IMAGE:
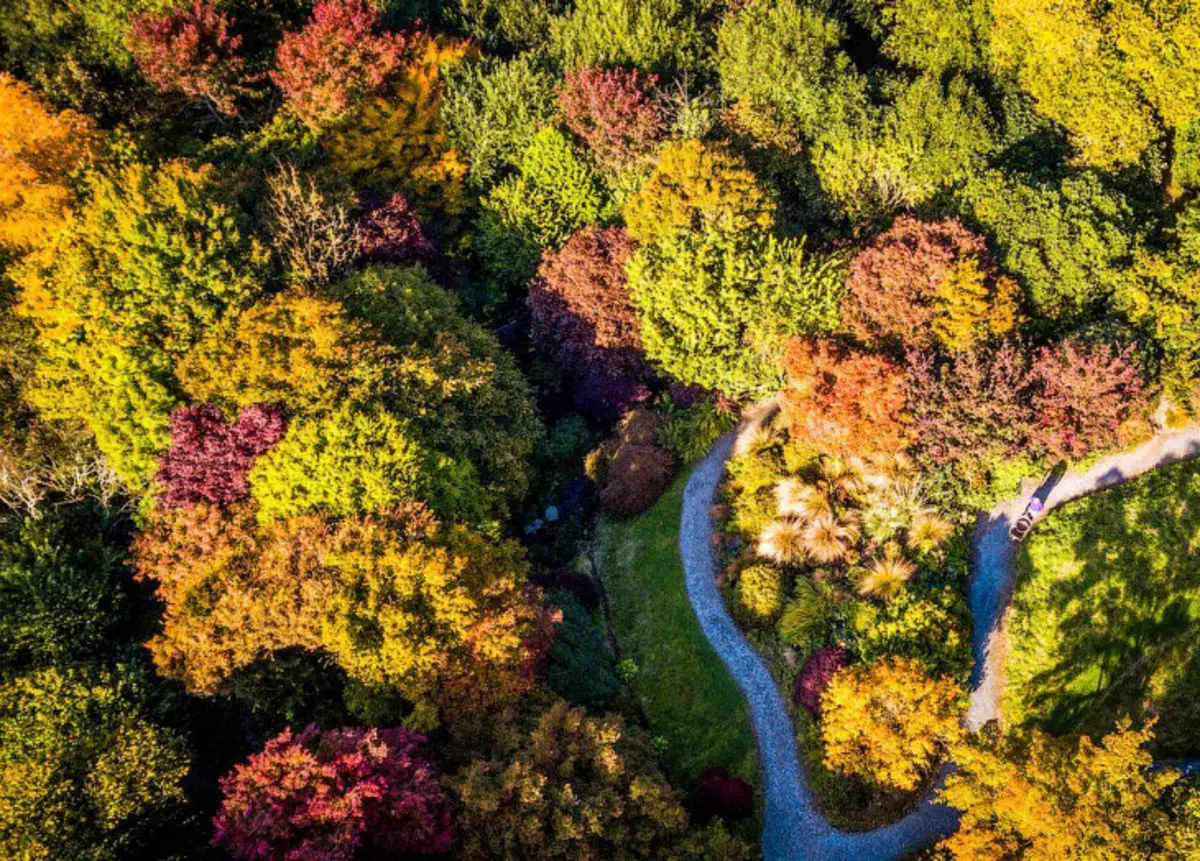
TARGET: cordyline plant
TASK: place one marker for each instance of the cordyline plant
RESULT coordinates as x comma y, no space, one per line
193,51
209,458
325,796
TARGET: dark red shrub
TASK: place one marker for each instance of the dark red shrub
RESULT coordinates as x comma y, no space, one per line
636,476
892,283
340,57
720,794
325,796
209,458
584,320
1084,393
389,233
581,587
193,51
815,675
615,112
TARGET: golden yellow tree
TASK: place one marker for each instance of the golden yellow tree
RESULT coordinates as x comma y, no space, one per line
971,305
889,723
39,151
1043,798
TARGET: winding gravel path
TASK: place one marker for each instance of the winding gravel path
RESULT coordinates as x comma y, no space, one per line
793,827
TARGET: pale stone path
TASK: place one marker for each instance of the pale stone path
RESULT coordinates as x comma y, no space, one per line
793,827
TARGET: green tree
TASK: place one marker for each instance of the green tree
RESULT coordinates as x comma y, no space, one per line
580,666
930,35
716,307
657,35
88,773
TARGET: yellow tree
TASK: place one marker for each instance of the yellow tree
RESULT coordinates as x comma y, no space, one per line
1043,798
39,151
889,723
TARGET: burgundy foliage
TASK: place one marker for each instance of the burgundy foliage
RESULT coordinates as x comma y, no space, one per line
1084,393
340,57
615,112
974,408
892,283
325,796
720,794
209,459
389,233
584,320
193,51
816,674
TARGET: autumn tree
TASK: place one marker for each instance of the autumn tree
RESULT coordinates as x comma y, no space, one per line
924,281
575,787
840,399
889,723
210,459
193,51
339,59
614,112
389,232
1043,797
89,771
39,152
330,795
312,231
696,186
583,318
158,256
1084,394
716,307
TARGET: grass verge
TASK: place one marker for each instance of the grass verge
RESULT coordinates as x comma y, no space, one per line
688,696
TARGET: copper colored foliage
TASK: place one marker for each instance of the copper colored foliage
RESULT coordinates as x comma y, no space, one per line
840,399
615,112
631,470
815,675
389,232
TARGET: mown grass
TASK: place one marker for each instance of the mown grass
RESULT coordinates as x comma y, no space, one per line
688,696
1107,611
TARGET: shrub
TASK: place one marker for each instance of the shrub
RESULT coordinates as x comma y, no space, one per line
580,667
614,112
816,674
192,51
696,186
1084,394
330,795
389,233
336,61
760,592
889,723
583,317
311,231
210,459
630,469
931,626
691,432
839,399
722,795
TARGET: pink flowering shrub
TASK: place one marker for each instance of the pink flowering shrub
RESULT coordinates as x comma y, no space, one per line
340,57
191,50
614,112
325,796
209,458
389,232
815,675
1083,394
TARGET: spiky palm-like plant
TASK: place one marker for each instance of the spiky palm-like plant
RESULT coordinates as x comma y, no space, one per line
928,531
810,614
828,540
783,542
803,501
887,574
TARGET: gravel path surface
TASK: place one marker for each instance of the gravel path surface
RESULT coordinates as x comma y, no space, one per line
793,827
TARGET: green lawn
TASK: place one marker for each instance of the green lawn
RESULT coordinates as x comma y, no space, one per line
687,694
1106,612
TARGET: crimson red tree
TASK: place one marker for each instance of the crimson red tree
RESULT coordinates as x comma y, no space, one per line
583,319
615,112
390,233
191,50
338,58
1084,393
209,458
815,675
892,284
324,796
721,794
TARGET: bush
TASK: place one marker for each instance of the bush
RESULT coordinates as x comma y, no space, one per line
631,471
722,795
311,231
691,432
580,668
389,233
330,795
931,626
615,113
760,593
816,674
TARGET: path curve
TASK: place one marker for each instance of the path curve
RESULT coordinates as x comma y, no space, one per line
793,827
